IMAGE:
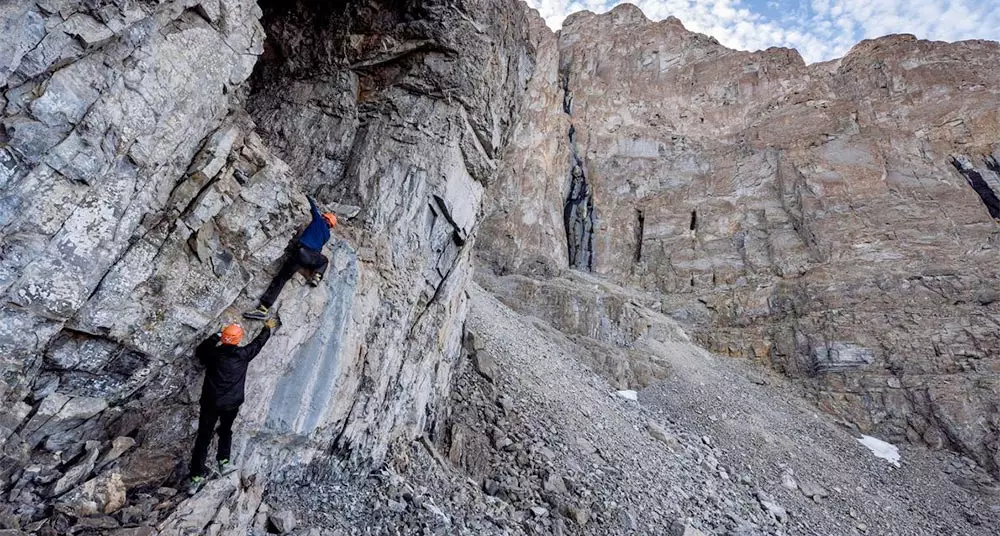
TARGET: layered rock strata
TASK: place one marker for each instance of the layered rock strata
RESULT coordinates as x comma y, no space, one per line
144,206
836,221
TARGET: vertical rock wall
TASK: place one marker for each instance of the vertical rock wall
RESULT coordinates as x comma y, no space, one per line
835,220
521,232
143,206
402,111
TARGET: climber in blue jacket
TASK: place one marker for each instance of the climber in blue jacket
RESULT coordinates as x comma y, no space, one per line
305,252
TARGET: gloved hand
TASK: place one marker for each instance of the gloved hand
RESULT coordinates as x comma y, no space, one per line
272,323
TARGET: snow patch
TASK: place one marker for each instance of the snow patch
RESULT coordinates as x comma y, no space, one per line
881,449
629,395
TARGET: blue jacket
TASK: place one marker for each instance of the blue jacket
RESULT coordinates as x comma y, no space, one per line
317,233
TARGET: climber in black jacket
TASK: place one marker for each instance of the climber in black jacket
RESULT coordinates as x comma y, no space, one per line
222,393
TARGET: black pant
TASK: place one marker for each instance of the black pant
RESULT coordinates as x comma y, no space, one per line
206,423
300,258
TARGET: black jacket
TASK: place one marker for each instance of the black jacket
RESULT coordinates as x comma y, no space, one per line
226,369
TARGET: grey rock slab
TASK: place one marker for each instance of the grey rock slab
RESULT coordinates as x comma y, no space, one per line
210,160
342,210
99,523
23,28
70,93
485,365
659,433
91,31
775,510
79,471
554,484
812,489
119,445
104,494
283,521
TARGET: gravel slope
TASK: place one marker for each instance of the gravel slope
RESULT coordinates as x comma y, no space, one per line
535,443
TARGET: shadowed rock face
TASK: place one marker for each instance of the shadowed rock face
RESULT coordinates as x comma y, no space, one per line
835,221
153,161
400,110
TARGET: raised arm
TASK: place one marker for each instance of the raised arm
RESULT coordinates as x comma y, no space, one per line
251,350
316,215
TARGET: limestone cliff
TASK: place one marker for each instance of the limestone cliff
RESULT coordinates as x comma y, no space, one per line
836,221
154,158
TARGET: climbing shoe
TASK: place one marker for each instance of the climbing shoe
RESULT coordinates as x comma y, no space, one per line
260,313
226,467
195,484
315,280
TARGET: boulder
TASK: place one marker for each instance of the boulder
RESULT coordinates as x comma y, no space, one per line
79,471
660,434
579,515
133,531
812,490
144,468
283,521
775,510
485,365
554,484
119,446
102,495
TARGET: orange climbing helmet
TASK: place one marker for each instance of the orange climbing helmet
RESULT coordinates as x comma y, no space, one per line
232,334
331,219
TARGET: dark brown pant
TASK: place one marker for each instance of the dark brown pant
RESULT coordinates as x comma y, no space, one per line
296,260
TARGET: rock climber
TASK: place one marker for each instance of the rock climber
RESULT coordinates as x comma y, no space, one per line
222,394
305,252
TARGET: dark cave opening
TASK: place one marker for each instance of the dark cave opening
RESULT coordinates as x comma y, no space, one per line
976,181
640,229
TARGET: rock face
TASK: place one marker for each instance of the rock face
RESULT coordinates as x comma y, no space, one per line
836,221
149,185
405,122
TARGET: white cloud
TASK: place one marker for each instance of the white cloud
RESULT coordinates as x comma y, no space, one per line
819,29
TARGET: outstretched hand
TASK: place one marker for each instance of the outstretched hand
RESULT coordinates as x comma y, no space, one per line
272,323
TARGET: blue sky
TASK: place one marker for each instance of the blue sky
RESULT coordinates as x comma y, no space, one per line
819,29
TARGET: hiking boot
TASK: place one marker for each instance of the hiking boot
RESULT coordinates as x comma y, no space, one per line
260,313
195,484
315,280
226,467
